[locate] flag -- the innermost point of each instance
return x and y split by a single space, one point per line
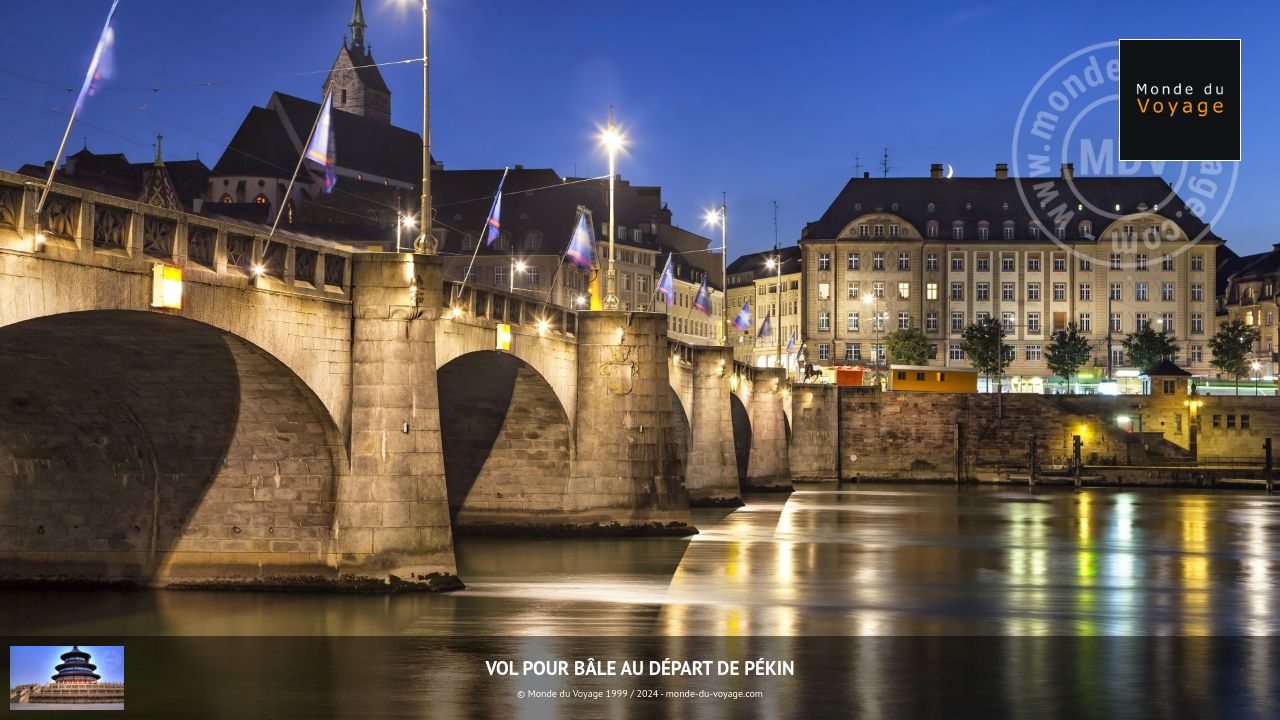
582 247
791 341
702 300
493 225
666 284
743 320
766 327
320 149
100 65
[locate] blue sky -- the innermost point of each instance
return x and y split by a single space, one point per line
763 100
35 663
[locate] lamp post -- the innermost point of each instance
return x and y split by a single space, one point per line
1257 368
406 222
870 299
426 137
720 216
611 138
775 263
516 266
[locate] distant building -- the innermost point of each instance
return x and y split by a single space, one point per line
358 87
174 185
685 322
753 281
940 253
1249 295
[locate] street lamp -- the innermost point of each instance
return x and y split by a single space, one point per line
517 266
1257 367
720 216
613 140
407 222
775 263
870 299
423 237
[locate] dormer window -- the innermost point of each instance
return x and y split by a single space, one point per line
931 207
957 230
1007 230
1086 229
984 230
931 227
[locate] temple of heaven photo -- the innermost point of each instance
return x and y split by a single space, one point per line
76 683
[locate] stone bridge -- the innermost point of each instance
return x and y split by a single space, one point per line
316 414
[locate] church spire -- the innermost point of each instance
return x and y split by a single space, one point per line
357 26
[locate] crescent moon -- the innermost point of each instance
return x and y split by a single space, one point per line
950 171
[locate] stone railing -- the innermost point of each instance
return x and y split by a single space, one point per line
93 228
486 303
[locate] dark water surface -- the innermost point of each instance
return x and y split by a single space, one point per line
1097 603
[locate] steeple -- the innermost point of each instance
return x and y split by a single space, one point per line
357 26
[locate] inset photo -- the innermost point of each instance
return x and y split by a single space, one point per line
62 677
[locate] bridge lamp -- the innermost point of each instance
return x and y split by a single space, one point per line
410 222
258 270
613 141
543 326
166 287
39 239
580 301
503 341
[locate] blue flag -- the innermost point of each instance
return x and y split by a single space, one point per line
666 284
743 321
320 149
791 341
100 64
493 225
582 247
766 327
702 300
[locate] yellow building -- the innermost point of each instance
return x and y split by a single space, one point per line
925 378
754 279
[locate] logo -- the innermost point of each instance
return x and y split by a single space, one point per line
1065 149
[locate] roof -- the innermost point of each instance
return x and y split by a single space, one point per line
263 146
972 199
756 264
113 174
1165 368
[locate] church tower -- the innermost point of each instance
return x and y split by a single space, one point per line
357 84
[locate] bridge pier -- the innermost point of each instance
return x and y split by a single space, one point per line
711 473
768 467
391 523
625 474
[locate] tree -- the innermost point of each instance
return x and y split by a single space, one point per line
1231 346
907 347
1066 352
983 344
1147 347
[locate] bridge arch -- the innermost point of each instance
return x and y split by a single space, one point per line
507 440
150 447
741 435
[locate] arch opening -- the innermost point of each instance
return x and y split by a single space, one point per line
741 436
507 441
680 434
143 446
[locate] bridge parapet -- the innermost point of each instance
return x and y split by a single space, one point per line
92 228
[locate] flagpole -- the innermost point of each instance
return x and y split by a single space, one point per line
467 275
301 156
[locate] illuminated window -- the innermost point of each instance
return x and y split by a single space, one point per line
261 199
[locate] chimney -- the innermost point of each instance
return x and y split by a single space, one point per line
935 171
866 174
1002 171
1068 170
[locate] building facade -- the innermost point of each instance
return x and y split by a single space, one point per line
1249 295
940 253
754 279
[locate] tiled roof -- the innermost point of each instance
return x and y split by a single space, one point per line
113 174
756 264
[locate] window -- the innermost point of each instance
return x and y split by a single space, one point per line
955 352
1244 422
1115 261
1141 320
1166 291
931 291
852 322
1086 229
1169 386
1166 262
1115 323
853 288
824 351
824 261
957 291
1061 230
984 291
500 275
1217 421
931 229
626 282
1117 357
878 321
1006 264
904 320
984 264
879 231
931 321
983 318
1086 291
1033 264
877 261
904 291
642 284
1086 264
1231 421
1086 322
1140 291
893 230
853 351
1033 231
824 291
957 230
877 352
1197 263
1033 353
1006 291
1007 320
864 231
1116 290
1197 292
1142 261
877 288
1033 291
534 275
904 260
984 230
931 262
1059 291
957 263
853 261
1197 354
1197 323
1059 264
824 320
1033 322
1166 322
261 199
1007 231
957 322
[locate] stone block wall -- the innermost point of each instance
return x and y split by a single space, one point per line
813 449
711 472
767 468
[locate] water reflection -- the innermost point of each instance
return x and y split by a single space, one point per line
827 560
